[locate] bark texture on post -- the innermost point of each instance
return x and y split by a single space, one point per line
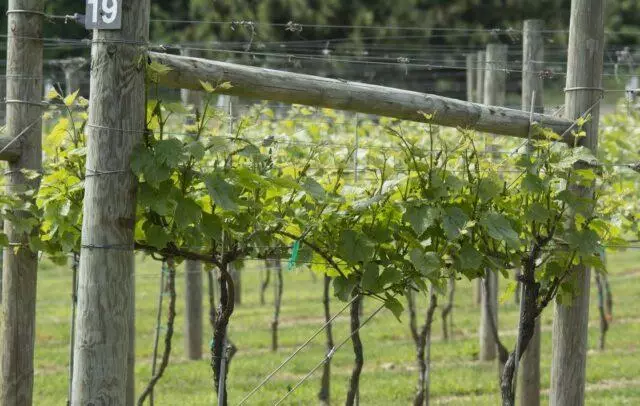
532 82
20 268
295 88
193 310
584 79
480 71
3 96
488 344
495 89
471 77
116 123
193 269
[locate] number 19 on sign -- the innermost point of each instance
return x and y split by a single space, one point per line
103 14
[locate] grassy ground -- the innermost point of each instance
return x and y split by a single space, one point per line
389 375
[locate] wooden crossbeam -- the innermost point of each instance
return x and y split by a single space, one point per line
295 88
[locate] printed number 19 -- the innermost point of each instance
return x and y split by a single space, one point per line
108 13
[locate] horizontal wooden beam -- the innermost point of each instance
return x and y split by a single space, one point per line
12 152
296 88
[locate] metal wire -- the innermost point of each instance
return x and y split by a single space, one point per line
292 356
329 355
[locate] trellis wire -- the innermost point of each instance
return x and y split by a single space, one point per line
329 355
293 355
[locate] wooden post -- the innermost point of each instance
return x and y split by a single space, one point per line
584 80
19 276
268 84
193 310
471 77
193 269
103 371
3 96
480 71
532 91
495 82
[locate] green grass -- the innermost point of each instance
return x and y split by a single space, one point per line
389 375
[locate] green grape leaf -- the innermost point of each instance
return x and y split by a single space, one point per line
499 228
420 217
424 262
187 212
70 99
211 226
469 258
489 188
394 305
454 222
533 183
196 150
343 287
169 152
389 276
314 189
370 277
355 247
537 212
222 193
156 236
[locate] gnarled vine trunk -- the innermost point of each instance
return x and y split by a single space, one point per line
526 327
422 341
264 284
219 345
605 304
354 381
447 315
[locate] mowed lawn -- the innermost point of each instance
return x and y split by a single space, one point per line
389 374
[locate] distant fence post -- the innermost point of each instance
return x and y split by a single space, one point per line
479 98
24 128
193 269
104 353
582 93
471 77
494 94
532 91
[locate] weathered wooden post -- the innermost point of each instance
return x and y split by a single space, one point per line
3 96
495 85
20 265
479 98
193 269
472 68
103 369
532 98
193 310
583 93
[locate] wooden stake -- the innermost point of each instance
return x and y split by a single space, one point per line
584 73
20 267
495 86
471 77
532 91
287 87
193 310
193 269
103 370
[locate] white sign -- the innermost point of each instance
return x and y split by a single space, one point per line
103 14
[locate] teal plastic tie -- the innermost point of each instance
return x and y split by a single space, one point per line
294 255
